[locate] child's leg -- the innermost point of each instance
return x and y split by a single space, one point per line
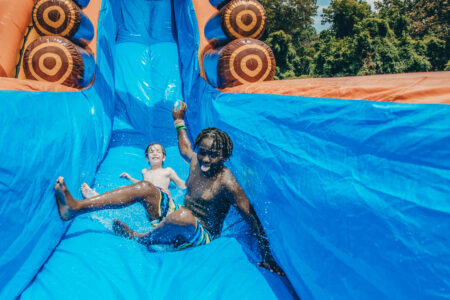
87 191
176 228
142 191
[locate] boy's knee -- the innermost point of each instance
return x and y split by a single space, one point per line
146 187
183 217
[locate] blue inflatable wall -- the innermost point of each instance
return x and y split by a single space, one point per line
353 195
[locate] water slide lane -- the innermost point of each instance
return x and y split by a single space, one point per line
90 262
352 194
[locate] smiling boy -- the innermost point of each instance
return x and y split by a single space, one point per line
211 190
160 177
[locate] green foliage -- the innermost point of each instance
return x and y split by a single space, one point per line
430 17
336 57
344 15
359 41
447 66
288 15
411 60
284 51
376 27
395 12
437 52
423 17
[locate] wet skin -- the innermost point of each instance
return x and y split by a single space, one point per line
211 190
207 195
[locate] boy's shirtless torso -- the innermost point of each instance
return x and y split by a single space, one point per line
211 190
207 197
160 177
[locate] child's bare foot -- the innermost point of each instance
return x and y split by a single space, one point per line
87 191
64 200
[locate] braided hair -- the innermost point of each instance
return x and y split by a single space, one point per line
221 140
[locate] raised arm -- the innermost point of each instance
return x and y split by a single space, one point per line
177 180
184 145
241 203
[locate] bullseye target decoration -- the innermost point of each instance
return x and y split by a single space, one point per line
245 61
56 17
53 59
243 19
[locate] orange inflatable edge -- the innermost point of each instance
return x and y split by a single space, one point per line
14 19
91 11
423 87
204 11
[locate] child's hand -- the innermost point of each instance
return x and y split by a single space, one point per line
178 114
125 175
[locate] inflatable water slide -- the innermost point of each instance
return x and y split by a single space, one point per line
350 177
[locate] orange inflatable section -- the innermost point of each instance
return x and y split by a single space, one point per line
204 11
15 16
32 85
429 87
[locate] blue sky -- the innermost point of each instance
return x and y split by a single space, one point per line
324 3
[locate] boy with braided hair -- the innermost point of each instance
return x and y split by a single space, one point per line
211 190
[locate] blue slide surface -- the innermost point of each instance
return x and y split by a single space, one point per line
353 195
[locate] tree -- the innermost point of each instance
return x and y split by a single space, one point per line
387 7
362 42
395 12
422 20
437 52
424 16
430 17
372 48
304 41
288 24
288 15
284 52
344 15
335 57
